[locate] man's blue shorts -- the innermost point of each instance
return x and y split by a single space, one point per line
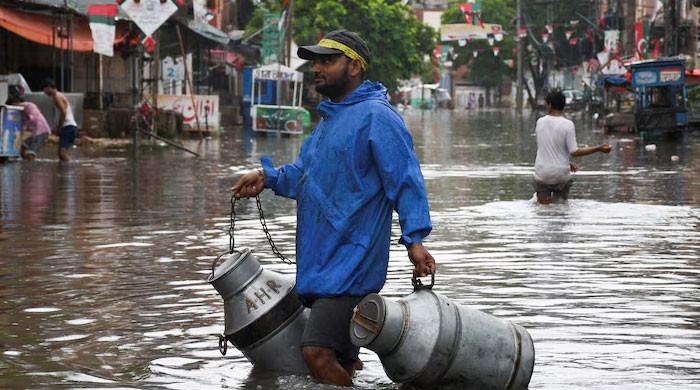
67 135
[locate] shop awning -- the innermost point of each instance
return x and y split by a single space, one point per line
614 80
221 57
79 6
39 28
208 31
692 77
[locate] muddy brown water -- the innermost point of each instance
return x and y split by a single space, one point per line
103 260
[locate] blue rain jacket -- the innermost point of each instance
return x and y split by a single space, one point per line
357 166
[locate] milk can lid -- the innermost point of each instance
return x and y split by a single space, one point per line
367 320
231 261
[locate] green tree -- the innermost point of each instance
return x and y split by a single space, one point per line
486 69
397 41
540 57
492 11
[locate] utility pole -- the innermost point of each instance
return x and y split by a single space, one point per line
519 89
674 27
288 49
670 27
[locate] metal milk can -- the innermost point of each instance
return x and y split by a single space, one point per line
263 315
426 339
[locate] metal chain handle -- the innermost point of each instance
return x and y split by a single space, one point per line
267 233
232 225
232 241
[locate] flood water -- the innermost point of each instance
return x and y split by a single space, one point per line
103 260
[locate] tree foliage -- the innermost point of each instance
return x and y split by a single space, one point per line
397 41
492 11
486 68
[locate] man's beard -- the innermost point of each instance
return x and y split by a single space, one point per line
335 89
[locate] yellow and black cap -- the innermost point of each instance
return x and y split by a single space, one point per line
338 42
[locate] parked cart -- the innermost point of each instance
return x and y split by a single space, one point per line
660 96
285 117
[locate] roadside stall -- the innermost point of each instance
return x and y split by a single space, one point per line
287 116
660 96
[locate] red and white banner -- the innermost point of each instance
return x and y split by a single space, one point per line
101 17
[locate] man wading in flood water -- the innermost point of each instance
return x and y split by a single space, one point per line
556 143
357 166
67 128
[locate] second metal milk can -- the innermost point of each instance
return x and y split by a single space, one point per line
425 339
263 315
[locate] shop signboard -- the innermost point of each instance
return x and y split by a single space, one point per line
271 38
282 119
206 107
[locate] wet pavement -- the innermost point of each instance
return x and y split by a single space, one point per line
103 260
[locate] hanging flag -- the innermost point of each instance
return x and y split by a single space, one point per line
657 48
496 49
612 38
200 12
641 32
102 25
149 44
522 32
476 12
466 9
472 12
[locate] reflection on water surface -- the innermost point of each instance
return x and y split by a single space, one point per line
104 259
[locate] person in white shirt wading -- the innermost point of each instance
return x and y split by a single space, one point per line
556 143
67 127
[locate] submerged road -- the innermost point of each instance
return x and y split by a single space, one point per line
103 260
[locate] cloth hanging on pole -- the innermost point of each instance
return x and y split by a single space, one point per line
103 27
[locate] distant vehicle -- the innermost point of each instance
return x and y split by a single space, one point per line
428 96
443 98
574 99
